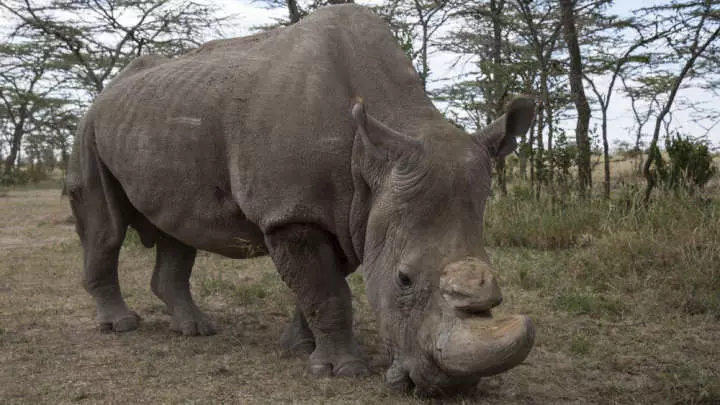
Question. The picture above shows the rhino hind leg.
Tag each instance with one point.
(309, 263)
(297, 337)
(101, 213)
(171, 283)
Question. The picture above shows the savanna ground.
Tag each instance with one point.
(626, 301)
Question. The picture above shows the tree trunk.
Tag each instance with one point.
(17, 136)
(293, 11)
(539, 155)
(496, 7)
(581, 102)
(606, 155)
(548, 111)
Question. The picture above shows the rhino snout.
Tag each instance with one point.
(469, 286)
(468, 342)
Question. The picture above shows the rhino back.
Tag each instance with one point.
(253, 133)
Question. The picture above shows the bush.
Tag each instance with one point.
(690, 166)
(21, 177)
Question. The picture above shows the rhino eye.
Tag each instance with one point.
(404, 279)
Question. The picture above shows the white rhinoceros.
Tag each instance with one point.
(264, 142)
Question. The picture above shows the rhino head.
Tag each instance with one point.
(417, 223)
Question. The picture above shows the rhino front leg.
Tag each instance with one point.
(309, 264)
(171, 283)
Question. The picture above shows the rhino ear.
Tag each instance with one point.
(500, 136)
(382, 142)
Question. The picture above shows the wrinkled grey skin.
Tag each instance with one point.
(261, 145)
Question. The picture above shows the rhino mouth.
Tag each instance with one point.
(479, 313)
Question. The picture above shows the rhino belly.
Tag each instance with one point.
(209, 221)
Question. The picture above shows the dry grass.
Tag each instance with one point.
(593, 347)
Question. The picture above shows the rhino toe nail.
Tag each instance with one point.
(126, 323)
(189, 329)
(353, 369)
(105, 326)
(320, 370)
(206, 329)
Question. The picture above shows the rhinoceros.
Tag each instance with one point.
(315, 144)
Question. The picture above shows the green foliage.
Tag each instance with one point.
(589, 303)
(564, 156)
(241, 294)
(24, 176)
(690, 166)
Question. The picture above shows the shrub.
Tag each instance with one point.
(19, 177)
(690, 166)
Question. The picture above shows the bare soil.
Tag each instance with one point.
(587, 352)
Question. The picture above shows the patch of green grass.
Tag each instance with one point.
(691, 386)
(240, 293)
(248, 294)
(581, 343)
(593, 305)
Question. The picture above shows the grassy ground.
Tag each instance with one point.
(610, 331)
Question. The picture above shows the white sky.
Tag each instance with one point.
(620, 121)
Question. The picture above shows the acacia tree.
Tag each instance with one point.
(699, 22)
(528, 63)
(482, 36)
(604, 62)
(415, 24)
(539, 25)
(22, 91)
(98, 38)
(61, 53)
(637, 96)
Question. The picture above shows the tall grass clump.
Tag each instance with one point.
(519, 220)
(670, 247)
(667, 250)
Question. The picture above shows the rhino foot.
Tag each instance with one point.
(197, 325)
(353, 368)
(338, 366)
(119, 322)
